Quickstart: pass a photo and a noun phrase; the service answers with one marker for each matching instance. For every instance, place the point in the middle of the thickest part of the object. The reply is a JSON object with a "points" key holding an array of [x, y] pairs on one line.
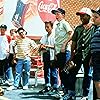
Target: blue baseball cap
{"points": [[59, 10], [96, 11]]}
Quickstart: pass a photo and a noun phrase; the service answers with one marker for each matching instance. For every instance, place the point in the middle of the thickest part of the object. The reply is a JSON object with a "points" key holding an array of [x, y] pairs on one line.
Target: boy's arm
{"points": [[49, 46], [70, 34]]}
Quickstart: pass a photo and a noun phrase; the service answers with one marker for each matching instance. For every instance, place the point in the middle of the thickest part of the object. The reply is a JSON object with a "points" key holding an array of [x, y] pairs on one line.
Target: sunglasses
{"points": [[24, 32]]}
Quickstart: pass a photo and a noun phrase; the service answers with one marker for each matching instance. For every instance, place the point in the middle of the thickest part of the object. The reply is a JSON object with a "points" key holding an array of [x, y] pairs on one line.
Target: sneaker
{"points": [[8, 83], [68, 97], [25, 87], [12, 88], [84, 98], [45, 90], [55, 93]]}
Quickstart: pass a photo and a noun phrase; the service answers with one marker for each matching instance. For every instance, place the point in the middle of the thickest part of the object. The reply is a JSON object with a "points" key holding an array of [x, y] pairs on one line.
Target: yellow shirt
{"points": [[24, 47]]}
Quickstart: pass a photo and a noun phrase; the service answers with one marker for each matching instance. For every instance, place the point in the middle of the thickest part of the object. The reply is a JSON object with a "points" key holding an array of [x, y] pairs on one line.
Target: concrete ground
{"points": [[31, 93]]}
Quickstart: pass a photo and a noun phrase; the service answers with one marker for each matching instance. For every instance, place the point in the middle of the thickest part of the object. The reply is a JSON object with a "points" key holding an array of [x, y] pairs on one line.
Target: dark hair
{"points": [[3, 26], [21, 28], [13, 30], [49, 22]]}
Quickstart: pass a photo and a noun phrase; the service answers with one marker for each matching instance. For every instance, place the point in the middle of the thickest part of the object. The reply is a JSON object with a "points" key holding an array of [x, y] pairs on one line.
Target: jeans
{"points": [[68, 55], [23, 66], [50, 74], [11, 68], [9, 74]]}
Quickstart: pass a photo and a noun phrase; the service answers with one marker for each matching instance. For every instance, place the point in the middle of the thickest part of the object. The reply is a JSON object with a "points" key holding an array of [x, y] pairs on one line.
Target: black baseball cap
{"points": [[3, 26], [96, 11], [60, 10]]}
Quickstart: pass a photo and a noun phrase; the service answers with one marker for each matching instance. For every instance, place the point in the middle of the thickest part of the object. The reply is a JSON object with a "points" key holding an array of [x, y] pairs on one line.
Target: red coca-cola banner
{"points": [[28, 13], [44, 9]]}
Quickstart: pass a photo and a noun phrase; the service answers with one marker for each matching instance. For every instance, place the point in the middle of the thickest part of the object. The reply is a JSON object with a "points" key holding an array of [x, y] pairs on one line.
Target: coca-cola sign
{"points": [[44, 9]]}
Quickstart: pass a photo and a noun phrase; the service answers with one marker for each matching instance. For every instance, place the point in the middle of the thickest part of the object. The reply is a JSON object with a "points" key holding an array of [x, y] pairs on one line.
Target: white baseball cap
{"points": [[85, 11]]}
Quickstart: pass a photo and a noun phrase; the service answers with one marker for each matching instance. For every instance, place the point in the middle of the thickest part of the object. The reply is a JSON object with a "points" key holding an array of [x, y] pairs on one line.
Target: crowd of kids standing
{"points": [[60, 47]]}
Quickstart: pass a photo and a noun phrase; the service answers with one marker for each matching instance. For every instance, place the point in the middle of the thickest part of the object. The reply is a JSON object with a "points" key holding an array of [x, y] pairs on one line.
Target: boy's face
{"points": [[12, 32], [22, 33], [2, 30], [59, 16], [96, 19], [84, 19], [48, 28]]}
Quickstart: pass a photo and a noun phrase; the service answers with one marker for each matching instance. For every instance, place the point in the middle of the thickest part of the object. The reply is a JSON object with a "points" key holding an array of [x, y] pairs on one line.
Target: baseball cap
{"points": [[59, 10], [85, 11], [3, 26], [96, 11]]}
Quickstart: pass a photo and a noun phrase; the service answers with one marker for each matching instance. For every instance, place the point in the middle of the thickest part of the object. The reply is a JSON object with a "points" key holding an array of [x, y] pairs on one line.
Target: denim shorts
{"points": [[96, 66]]}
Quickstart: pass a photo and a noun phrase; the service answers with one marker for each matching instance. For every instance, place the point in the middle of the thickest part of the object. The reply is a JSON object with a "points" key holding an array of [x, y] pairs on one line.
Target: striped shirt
{"points": [[24, 47], [95, 41], [82, 39]]}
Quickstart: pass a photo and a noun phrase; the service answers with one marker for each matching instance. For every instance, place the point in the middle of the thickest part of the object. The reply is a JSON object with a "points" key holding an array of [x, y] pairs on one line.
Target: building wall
{"points": [[72, 6]]}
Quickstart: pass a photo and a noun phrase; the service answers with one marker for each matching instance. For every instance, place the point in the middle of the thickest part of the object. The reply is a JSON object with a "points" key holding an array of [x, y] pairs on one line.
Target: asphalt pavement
{"points": [[32, 92]]}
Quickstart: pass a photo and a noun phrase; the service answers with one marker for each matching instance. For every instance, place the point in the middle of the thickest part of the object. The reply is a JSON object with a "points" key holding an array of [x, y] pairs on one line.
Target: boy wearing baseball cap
{"points": [[95, 51], [80, 49], [63, 34]]}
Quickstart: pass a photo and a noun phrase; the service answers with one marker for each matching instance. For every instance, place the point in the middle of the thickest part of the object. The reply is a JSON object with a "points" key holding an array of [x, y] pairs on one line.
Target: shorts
{"points": [[96, 66]]}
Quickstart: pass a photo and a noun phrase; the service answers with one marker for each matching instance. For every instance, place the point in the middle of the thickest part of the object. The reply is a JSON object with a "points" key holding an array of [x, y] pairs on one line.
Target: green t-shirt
{"points": [[61, 34]]}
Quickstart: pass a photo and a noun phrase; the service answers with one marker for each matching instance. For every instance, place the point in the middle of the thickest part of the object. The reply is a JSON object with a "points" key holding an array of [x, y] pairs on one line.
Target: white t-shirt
{"points": [[4, 47], [51, 41]]}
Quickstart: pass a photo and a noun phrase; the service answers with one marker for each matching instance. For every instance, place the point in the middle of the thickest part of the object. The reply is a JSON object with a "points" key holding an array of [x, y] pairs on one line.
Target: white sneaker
{"points": [[25, 87], [84, 98], [9, 83], [11, 88]]}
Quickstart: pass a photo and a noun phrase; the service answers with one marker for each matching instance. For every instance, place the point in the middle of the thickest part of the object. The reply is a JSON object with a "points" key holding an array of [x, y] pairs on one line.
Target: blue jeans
{"points": [[23, 66], [68, 55], [9, 74], [50, 74]]}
